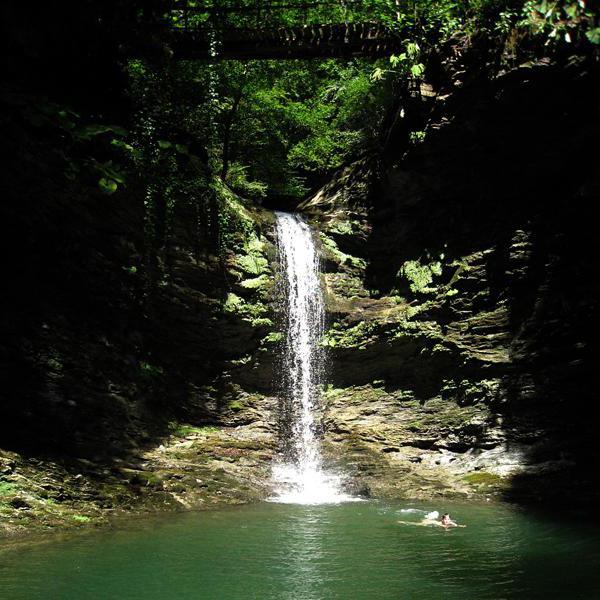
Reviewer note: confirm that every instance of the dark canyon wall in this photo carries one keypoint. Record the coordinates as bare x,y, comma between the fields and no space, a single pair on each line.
136,367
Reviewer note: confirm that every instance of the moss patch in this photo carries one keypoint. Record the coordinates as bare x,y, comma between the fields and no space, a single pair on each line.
484,479
185,430
420,276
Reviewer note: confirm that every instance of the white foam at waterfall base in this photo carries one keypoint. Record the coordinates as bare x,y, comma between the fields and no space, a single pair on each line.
295,486
299,477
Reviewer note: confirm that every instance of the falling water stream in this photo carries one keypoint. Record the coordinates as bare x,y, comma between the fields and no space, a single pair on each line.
298,475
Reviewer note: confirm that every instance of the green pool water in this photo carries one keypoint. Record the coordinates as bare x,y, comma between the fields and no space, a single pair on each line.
348,551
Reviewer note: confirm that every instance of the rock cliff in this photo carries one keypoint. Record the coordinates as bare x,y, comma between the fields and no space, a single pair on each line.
459,267
461,289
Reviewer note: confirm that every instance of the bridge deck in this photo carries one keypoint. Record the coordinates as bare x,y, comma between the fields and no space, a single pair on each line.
311,41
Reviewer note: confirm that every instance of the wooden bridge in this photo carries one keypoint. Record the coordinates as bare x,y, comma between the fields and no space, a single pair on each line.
309,41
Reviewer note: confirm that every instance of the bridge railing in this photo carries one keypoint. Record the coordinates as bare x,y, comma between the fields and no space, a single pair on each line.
308,41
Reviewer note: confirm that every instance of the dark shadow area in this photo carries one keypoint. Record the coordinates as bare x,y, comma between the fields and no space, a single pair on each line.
98,359
111,327
285,204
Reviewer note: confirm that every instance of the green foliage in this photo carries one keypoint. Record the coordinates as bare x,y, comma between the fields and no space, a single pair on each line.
280,122
112,176
235,224
331,248
594,35
237,180
233,303
7,488
252,264
417,136
558,21
151,371
88,150
420,276
255,313
343,227
272,129
407,64
255,283
273,338
267,125
81,518
108,186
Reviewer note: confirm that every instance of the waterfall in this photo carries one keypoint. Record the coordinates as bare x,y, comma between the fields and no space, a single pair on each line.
298,474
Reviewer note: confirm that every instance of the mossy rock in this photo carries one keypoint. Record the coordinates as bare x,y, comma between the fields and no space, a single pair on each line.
254,312
484,479
81,518
7,489
334,254
185,429
415,426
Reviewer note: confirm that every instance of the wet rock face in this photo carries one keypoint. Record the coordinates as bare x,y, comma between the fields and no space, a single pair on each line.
461,299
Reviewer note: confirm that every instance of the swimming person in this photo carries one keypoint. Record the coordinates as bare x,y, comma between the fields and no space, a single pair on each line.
447,521
431,518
